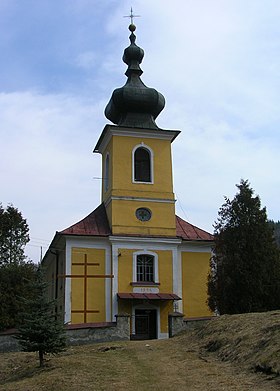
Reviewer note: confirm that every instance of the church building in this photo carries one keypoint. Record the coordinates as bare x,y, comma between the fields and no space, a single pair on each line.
132,254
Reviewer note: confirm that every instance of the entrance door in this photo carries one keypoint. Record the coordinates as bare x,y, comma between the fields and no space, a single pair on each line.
145,324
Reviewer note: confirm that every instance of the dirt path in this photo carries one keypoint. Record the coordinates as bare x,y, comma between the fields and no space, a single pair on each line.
146,365
165,365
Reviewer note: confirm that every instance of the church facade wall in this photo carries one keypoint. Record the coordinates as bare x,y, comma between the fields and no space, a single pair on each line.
195,268
97,269
88,281
88,285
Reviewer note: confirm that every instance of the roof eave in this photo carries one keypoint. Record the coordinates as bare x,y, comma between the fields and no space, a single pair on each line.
109,130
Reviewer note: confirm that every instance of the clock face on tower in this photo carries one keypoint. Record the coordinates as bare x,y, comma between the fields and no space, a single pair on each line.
143,214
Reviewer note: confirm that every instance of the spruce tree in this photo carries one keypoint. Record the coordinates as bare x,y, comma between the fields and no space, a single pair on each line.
15,271
41,330
245,267
13,235
15,279
276,230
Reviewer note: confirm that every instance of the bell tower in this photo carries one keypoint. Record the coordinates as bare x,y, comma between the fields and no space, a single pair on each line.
137,186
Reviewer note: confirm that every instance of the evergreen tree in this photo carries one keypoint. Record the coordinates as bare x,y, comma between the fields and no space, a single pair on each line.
14,271
41,331
245,268
276,228
14,285
13,235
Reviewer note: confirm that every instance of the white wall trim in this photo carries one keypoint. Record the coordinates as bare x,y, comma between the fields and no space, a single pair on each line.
143,199
110,131
163,336
203,247
134,269
162,134
156,243
88,242
67,315
108,285
115,284
177,276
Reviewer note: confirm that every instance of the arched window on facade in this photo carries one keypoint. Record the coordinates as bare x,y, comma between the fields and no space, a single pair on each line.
145,268
142,165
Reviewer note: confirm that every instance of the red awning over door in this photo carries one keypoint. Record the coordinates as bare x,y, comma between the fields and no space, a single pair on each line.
149,296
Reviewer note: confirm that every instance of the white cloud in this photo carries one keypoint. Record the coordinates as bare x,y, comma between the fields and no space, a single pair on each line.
48,165
217,64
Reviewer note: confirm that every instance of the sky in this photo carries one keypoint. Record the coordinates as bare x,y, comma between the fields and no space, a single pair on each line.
216,62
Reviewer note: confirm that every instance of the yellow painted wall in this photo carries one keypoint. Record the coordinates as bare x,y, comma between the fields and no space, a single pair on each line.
125,270
165,270
122,147
121,212
125,274
94,297
125,307
195,267
124,220
166,307
107,151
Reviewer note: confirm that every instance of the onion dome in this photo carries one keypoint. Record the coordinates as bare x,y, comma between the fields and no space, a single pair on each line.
134,104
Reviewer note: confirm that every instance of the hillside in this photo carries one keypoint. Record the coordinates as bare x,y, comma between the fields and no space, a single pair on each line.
233,353
252,340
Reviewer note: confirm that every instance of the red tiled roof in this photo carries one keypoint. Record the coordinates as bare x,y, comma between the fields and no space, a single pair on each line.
96,224
149,296
187,231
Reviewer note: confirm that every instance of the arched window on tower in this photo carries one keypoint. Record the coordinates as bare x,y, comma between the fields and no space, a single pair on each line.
142,165
106,179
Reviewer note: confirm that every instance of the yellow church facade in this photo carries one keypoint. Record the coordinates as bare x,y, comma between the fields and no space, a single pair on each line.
132,254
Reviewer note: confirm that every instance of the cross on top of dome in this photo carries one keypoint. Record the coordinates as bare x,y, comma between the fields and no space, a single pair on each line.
134,105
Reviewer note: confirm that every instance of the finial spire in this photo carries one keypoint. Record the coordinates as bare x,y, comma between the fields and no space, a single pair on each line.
131,16
134,105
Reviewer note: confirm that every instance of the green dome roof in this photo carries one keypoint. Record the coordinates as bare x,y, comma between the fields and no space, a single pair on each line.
134,104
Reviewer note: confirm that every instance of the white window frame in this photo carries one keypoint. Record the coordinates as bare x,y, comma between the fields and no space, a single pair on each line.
134,273
142,145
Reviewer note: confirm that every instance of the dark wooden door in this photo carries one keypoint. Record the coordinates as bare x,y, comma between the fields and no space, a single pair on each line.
145,324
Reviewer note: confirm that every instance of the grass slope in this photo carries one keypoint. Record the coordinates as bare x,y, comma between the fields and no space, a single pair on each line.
252,340
203,359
